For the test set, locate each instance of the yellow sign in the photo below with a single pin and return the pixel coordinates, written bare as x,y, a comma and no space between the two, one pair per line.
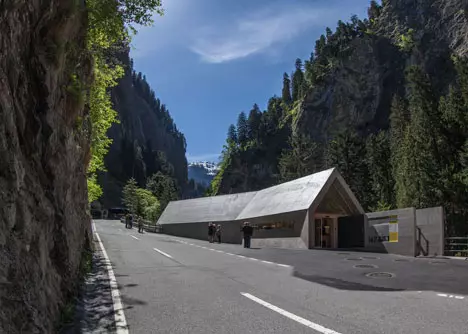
393,230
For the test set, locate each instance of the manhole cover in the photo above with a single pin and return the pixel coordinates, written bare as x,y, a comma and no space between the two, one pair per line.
402,260
370,257
343,254
380,275
354,259
365,266
437,262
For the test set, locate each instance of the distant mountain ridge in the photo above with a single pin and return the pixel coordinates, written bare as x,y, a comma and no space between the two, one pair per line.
202,172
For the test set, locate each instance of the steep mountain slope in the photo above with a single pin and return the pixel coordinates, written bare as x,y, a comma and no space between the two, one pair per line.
202,172
383,99
358,90
146,140
44,225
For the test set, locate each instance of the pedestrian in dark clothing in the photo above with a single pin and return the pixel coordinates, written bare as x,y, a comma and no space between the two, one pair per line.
127,220
130,222
247,230
211,232
140,225
218,233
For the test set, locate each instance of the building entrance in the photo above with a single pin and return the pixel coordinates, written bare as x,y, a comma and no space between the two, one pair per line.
324,232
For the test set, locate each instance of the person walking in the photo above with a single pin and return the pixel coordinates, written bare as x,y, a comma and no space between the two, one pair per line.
211,232
218,233
140,225
127,220
247,230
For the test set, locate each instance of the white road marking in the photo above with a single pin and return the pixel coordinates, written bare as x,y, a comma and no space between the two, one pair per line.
241,256
450,296
134,237
120,229
253,259
119,316
229,253
161,252
267,262
283,265
220,251
211,249
291,316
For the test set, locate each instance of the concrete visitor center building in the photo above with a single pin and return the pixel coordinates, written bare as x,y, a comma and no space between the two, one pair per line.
315,211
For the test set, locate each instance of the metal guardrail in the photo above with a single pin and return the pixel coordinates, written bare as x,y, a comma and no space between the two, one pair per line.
147,225
456,246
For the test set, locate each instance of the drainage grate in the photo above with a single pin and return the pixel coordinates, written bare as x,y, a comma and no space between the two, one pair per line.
353,259
365,266
380,275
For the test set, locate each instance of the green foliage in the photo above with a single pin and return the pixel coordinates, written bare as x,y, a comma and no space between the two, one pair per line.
232,134
286,92
94,190
242,129
129,194
163,187
140,201
347,153
406,42
304,157
109,25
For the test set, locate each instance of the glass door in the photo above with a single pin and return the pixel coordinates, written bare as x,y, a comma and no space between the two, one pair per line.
323,232
318,232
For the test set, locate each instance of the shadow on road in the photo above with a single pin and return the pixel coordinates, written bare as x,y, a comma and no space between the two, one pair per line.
342,284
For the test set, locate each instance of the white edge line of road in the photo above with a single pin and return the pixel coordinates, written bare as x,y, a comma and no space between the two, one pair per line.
134,237
290,315
161,252
119,316
450,296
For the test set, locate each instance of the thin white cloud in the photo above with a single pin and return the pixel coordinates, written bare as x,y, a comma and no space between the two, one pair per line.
255,34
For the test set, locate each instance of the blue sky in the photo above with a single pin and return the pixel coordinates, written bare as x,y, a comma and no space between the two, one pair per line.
208,60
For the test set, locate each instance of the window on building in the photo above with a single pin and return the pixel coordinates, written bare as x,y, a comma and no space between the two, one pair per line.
280,225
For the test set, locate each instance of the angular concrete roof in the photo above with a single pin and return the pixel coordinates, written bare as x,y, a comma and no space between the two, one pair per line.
206,209
291,196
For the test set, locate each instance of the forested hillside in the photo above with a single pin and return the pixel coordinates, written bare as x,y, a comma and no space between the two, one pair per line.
383,99
146,144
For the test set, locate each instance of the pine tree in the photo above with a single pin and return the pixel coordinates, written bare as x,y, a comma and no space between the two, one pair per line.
347,153
232,134
374,11
254,120
303,158
286,92
129,194
380,170
421,143
298,81
242,129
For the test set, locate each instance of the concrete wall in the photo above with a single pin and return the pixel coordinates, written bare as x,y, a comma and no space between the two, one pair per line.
281,238
230,231
430,231
377,232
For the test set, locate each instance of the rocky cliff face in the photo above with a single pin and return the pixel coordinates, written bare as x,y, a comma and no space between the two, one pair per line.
145,141
358,92
43,197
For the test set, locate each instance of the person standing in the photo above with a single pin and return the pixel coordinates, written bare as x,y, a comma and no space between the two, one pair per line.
140,225
218,233
211,232
247,230
127,220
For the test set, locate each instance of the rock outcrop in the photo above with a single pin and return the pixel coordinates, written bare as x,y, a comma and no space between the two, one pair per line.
44,224
358,92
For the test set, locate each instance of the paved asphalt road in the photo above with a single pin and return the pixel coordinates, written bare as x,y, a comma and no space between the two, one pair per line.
177,285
